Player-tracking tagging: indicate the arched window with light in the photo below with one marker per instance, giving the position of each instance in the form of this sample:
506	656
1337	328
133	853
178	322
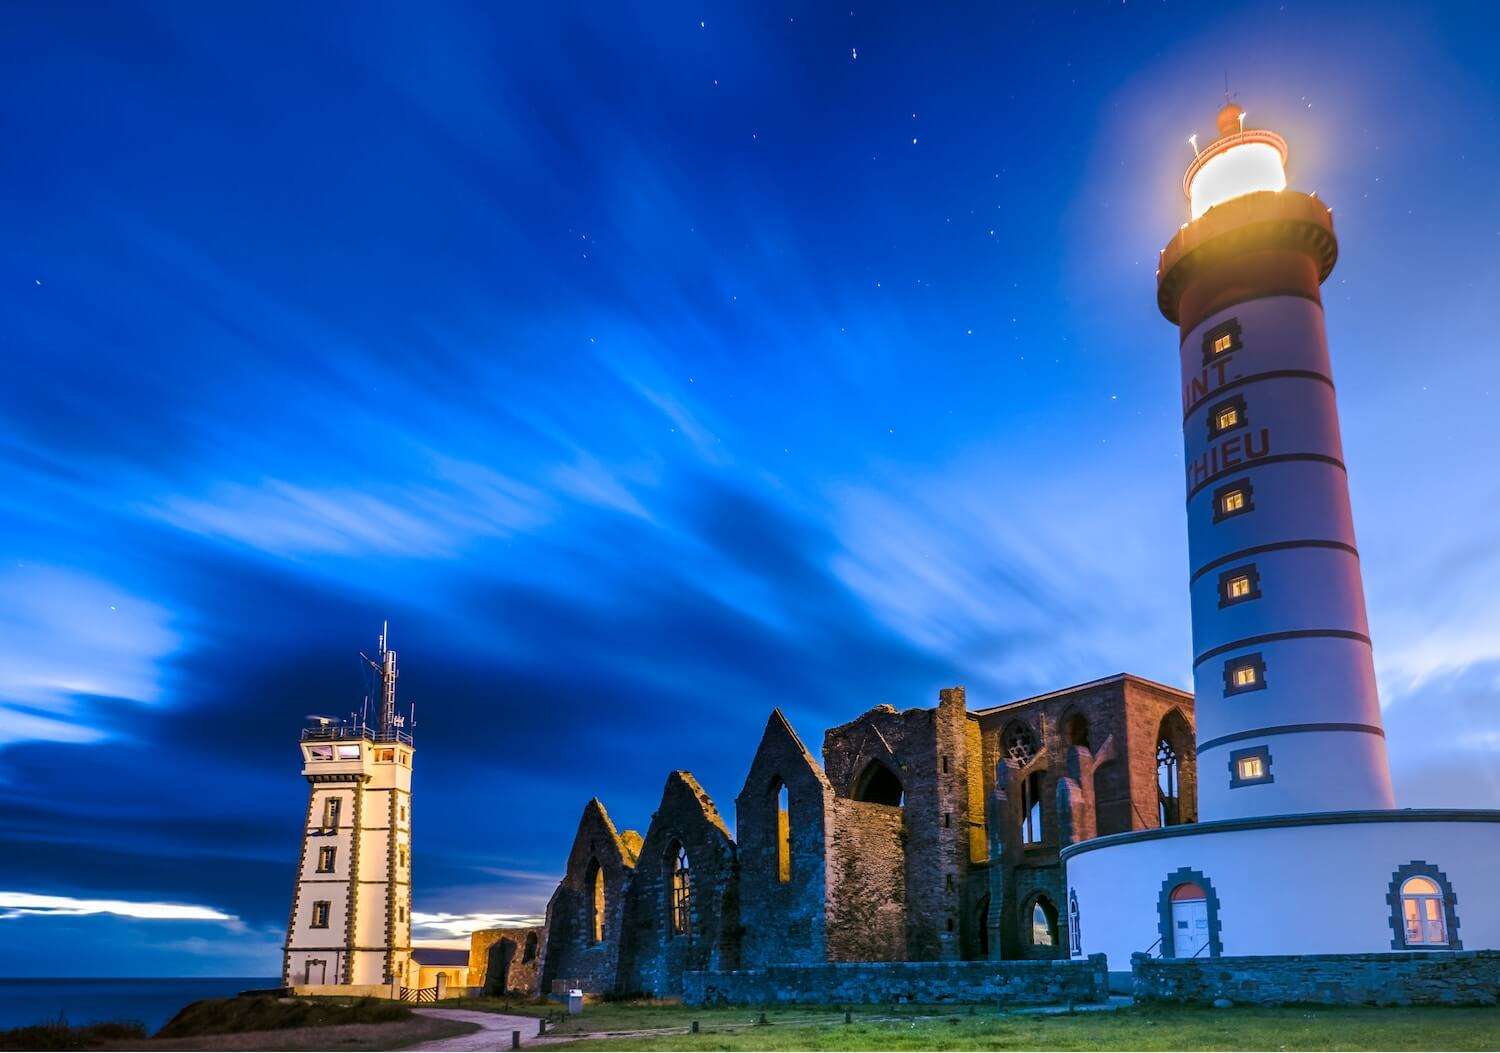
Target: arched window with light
1424	910
596	901
682	890
783	831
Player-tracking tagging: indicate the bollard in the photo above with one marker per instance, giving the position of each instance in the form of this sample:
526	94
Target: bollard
695	1027
541	1026
848	1017
515	1040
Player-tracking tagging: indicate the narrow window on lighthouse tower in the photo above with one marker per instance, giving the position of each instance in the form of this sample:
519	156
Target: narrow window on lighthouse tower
1233	499
1245	673
1239	585
1250	767
1226	416
1221	339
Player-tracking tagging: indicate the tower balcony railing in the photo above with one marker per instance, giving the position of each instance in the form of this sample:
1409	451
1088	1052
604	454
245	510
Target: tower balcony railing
354	730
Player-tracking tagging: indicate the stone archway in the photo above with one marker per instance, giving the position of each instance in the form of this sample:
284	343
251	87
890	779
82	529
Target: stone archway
497	966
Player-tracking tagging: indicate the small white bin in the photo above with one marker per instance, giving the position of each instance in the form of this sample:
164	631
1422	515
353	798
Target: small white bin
575	1002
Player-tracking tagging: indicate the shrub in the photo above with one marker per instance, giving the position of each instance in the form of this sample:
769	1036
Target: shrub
59	1034
220	1016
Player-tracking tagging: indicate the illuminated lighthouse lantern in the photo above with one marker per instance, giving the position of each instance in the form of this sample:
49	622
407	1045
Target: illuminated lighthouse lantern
1288	717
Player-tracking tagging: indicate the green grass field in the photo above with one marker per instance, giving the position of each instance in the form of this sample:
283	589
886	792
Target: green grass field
945	1028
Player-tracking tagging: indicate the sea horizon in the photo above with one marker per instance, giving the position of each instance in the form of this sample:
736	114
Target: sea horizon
151	1000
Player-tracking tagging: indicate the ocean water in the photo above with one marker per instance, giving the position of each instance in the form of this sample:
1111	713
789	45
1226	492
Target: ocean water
153	1002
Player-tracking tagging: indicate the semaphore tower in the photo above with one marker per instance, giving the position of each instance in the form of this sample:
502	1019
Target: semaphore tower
1288	718
350	922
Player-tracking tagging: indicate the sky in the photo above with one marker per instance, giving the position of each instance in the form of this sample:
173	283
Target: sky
649	367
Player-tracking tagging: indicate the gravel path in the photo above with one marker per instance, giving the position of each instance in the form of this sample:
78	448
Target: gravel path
494	1034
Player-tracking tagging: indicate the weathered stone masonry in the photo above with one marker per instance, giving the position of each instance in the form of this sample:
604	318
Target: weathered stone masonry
925	835
880	983
1406	978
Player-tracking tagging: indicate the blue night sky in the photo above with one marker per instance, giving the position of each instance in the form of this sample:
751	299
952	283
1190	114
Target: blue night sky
649	367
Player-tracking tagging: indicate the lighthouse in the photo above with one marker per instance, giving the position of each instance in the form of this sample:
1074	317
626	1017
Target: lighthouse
1287	711
1299	848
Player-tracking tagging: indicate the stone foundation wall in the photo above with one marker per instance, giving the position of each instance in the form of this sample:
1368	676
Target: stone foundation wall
878	983
1398	978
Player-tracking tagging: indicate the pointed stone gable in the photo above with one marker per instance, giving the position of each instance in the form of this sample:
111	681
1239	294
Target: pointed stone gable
783	907
660	941
583	942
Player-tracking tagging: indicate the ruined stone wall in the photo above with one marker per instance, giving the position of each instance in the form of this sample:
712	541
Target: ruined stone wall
654	954
1096	756
1397	978
928	751
571	956
866	883
507	961
1147	710
783	920
879	983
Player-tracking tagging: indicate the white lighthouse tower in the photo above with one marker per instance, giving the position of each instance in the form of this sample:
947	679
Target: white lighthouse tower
1282	666
350	926
1300	848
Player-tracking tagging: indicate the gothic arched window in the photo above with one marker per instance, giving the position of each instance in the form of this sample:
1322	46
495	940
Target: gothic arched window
879	785
1020	743
682	889
1043	922
783	832
1168	787
596	901
1031	809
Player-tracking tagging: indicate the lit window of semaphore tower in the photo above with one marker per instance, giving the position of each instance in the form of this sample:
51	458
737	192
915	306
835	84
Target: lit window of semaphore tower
1288	717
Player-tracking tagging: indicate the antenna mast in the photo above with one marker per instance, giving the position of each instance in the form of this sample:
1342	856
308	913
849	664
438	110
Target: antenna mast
384	666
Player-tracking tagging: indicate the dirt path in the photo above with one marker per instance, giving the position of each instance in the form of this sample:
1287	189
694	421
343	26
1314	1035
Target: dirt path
494	1034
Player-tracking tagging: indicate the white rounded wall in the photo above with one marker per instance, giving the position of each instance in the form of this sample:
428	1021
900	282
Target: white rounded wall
1315	884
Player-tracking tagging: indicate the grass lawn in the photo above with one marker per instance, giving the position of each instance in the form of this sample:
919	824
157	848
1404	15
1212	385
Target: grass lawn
1147	1028
396	1035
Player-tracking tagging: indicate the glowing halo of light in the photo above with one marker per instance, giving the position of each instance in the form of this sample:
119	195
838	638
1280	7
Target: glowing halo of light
1234	165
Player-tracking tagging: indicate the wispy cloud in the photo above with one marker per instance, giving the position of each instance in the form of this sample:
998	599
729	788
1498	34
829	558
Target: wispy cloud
419	518
437	926
20	904
66	636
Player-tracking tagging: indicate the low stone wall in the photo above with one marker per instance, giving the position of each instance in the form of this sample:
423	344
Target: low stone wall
1397	978
878	983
